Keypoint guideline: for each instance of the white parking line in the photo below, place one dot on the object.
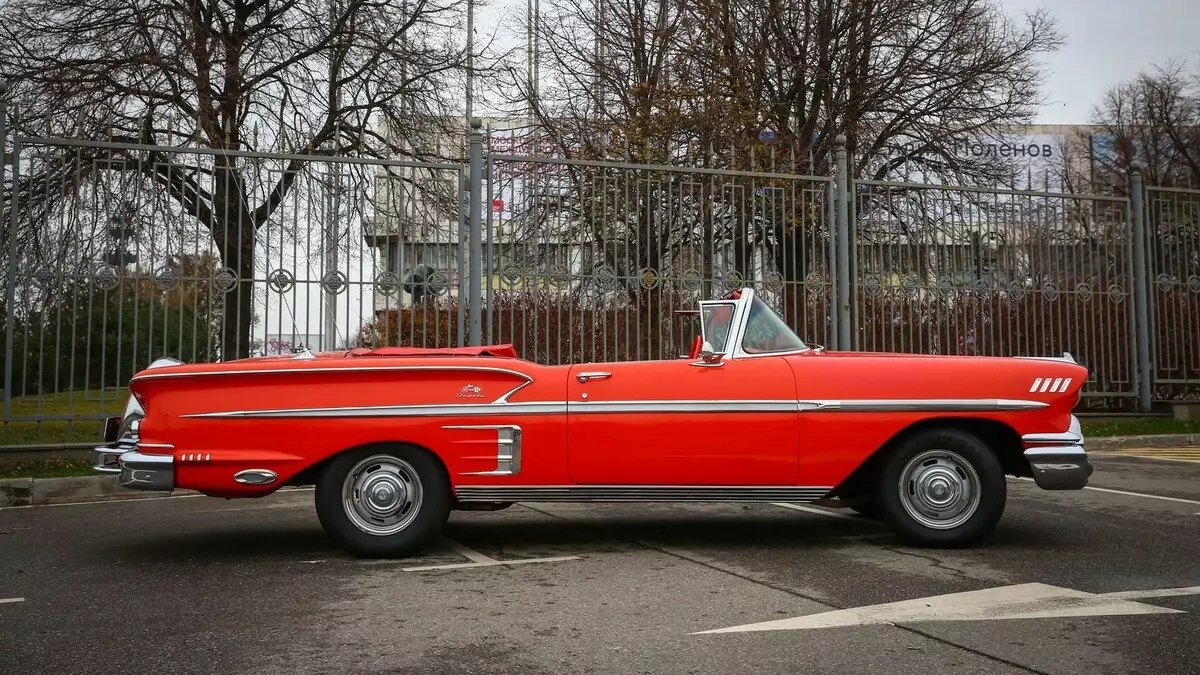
(480, 560)
(1132, 494)
(4, 601)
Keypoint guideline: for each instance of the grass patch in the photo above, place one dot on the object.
(94, 403)
(57, 467)
(1138, 426)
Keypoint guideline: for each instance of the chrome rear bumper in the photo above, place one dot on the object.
(1059, 461)
(136, 470)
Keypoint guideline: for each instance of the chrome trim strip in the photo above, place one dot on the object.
(639, 493)
(1065, 358)
(684, 406)
(435, 410)
(327, 369)
(1065, 437)
(924, 405)
(508, 448)
(647, 406)
(1059, 451)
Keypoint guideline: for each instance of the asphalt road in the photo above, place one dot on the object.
(201, 585)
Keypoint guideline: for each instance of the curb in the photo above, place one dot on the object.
(71, 490)
(1134, 442)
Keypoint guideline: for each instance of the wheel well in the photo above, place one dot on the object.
(1001, 438)
(309, 475)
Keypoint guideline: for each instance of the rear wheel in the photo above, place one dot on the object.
(383, 502)
(941, 488)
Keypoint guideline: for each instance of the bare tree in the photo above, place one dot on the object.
(1153, 117)
(307, 77)
(922, 89)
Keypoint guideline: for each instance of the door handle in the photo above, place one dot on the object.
(594, 375)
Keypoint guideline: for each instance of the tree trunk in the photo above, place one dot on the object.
(237, 252)
(233, 233)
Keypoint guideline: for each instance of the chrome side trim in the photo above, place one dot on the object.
(344, 369)
(647, 406)
(687, 406)
(923, 405)
(639, 493)
(1065, 358)
(436, 410)
(508, 448)
(1065, 437)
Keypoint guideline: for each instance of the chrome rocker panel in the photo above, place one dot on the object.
(1058, 461)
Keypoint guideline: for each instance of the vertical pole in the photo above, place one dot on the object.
(1140, 282)
(10, 285)
(470, 59)
(843, 244)
(475, 204)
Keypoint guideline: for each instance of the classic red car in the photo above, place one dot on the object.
(394, 438)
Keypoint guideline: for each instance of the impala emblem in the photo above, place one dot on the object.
(471, 391)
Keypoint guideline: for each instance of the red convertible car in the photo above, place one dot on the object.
(395, 438)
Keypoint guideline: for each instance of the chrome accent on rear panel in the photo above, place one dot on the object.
(255, 477)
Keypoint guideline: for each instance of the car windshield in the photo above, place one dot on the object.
(717, 319)
(766, 332)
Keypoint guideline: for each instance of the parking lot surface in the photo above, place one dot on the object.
(1106, 580)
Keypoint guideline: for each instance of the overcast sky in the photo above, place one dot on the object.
(1106, 41)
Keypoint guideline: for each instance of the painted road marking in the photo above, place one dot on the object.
(5, 601)
(1022, 601)
(480, 560)
(1131, 494)
(1184, 454)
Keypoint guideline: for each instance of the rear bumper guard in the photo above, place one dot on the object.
(1059, 461)
(136, 470)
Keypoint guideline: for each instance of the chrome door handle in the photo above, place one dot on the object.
(584, 377)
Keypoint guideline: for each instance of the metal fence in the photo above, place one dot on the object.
(121, 253)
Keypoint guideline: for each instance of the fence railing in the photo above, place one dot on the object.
(120, 253)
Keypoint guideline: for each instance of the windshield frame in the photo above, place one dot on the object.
(744, 300)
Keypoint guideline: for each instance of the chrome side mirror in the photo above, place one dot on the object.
(708, 356)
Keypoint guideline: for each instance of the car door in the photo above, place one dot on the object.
(683, 422)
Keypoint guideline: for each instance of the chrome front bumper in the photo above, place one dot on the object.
(136, 470)
(1059, 461)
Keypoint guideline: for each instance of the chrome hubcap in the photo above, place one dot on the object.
(939, 489)
(382, 495)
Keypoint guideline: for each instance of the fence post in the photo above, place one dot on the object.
(475, 204)
(6, 158)
(842, 297)
(1141, 318)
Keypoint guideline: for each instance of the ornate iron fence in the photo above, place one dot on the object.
(117, 254)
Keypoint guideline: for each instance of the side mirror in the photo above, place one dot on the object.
(708, 356)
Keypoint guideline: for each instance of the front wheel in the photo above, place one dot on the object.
(941, 489)
(383, 502)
